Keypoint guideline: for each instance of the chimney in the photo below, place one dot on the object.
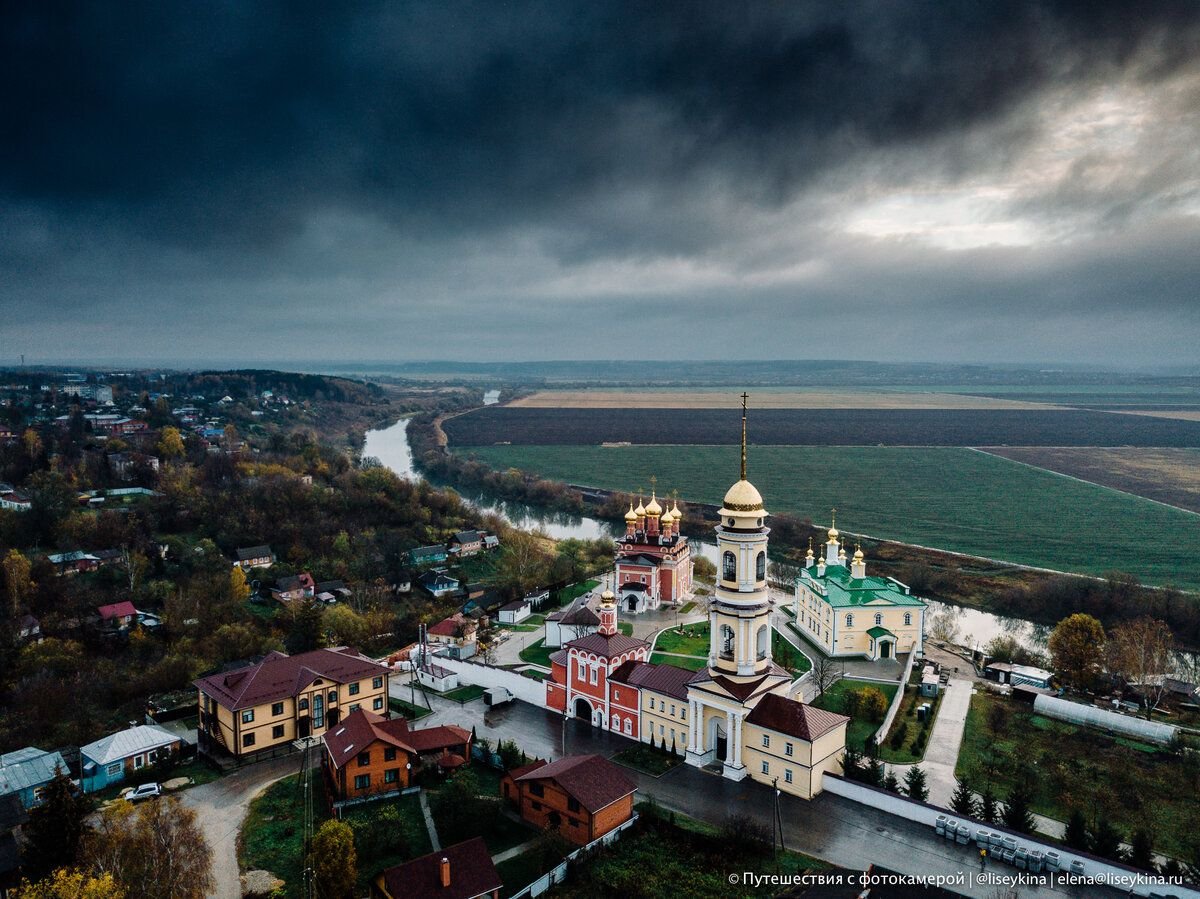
(444, 872)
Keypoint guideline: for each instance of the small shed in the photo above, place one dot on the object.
(930, 682)
(515, 612)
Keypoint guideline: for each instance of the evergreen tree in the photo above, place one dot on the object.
(1077, 834)
(963, 801)
(914, 784)
(56, 827)
(1141, 852)
(875, 773)
(306, 632)
(988, 810)
(891, 783)
(852, 765)
(1106, 841)
(1017, 812)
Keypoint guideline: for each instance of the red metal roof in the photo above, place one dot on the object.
(607, 645)
(471, 874)
(441, 737)
(359, 730)
(793, 718)
(279, 676)
(666, 679)
(117, 610)
(593, 780)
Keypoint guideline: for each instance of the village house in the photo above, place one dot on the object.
(515, 612)
(462, 871)
(25, 772)
(247, 557)
(583, 797)
(75, 562)
(428, 555)
(367, 755)
(118, 615)
(294, 588)
(29, 628)
(125, 465)
(15, 500)
(457, 633)
(111, 759)
(466, 543)
(571, 623)
(437, 583)
(284, 698)
(330, 592)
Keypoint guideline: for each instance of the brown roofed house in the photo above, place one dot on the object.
(284, 698)
(461, 871)
(581, 796)
(367, 754)
(792, 744)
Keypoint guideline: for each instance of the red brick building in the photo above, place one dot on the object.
(654, 560)
(583, 797)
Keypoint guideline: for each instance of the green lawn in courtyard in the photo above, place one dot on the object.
(465, 693)
(689, 640)
(689, 662)
(833, 700)
(538, 653)
(407, 709)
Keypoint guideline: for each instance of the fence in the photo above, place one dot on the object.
(524, 688)
(1138, 883)
(897, 701)
(559, 873)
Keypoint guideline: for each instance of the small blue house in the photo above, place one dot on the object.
(110, 759)
(25, 772)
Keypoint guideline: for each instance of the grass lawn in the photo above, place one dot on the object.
(407, 709)
(266, 610)
(787, 655)
(465, 693)
(687, 607)
(272, 835)
(947, 497)
(688, 662)
(1069, 766)
(625, 627)
(689, 640)
(521, 628)
(371, 863)
(906, 721)
(654, 762)
(538, 653)
(566, 594)
(833, 700)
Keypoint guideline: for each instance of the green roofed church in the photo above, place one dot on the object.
(848, 613)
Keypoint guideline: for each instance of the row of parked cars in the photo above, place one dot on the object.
(1004, 847)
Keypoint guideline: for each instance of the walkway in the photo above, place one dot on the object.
(945, 739)
(429, 825)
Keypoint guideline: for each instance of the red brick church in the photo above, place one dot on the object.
(654, 560)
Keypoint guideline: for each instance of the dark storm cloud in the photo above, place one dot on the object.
(233, 161)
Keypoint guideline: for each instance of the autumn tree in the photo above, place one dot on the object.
(704, 570)
(170, 443)
(522, 565)
(1141, 652)
(157, 850)
(18, 582)
(69, 883)
(239, 589)
(335, 861)
(1077, 648)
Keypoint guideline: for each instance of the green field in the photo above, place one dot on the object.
(943, 497)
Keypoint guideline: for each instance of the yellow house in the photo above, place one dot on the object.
(848, 613)
(285, 698)
(790, 745)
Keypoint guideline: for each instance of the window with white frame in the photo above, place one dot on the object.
(766, 741)
(907, 619)
(766, 768)
(787, 775)
(878, 619)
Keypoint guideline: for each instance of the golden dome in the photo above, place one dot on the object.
(743, 497)
(858, 554)
(654, 508)
(607, 597)
(675, 513)
(667, 517)
(640, 511)
(833, 533)
(631, 515)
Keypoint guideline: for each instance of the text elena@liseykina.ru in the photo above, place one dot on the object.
(968, 879)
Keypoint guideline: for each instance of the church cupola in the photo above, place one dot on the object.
(858, 567)
(640, 515)
(653, 513)
(668, 523)
(832, 546)
(608, 613)
(808, 559)
(630, 521)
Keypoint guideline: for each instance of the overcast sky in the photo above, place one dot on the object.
(931, 181)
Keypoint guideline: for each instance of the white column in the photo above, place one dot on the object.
(698, 726)
(737, 743)
(730, 745)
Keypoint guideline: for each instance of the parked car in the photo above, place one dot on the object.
(145, 791)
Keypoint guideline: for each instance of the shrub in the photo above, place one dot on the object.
(899, 735)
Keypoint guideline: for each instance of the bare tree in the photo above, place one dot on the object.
(1141, 652)
(825, 671)
(943, 627)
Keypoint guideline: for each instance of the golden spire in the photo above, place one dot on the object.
(833, 531)
(745, 396)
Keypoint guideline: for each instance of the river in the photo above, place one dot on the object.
(390, 446)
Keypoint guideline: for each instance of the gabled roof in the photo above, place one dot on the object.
(29, 767)
(434, 550)
(739, 690)
(515, 605)
(117, 610)
(591, 779)
(525, 769)
(449, 627)
(128, 742)
(245, 553)
(467, 537)
(607, 645)
(471, 874)
(279, 676)
(787, 716)
(77, 556)
(580, 616)
(877, 632)
(360, 729)
(430, 739)
(668, 680)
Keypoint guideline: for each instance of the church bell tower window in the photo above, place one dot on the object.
(729, 567)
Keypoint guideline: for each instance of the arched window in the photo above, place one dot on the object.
(849, 621)
(760, 567)
(616, 723)
(729, 567)
(628, 726)
(763, 641)
(907, 618)
(726, 641)
(878, 619)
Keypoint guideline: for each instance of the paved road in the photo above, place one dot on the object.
(220, 807)
(944, 741)
(829, 827)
